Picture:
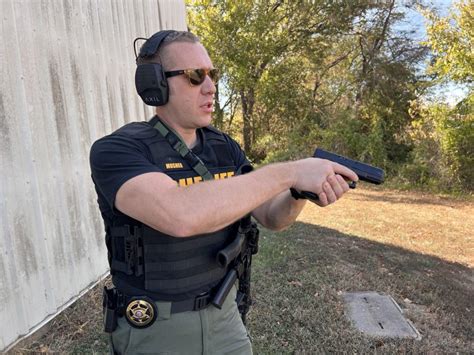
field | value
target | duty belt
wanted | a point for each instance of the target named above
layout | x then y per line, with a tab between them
193	304
141	311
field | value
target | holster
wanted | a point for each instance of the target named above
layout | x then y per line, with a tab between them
109	303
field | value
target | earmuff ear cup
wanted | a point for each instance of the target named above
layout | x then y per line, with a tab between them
151	84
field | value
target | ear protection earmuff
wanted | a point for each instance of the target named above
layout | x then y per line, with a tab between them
150	79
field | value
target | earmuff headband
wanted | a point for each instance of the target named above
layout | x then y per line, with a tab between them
150	47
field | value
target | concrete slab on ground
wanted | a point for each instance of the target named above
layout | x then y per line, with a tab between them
378	315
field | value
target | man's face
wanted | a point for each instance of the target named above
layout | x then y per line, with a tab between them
189	107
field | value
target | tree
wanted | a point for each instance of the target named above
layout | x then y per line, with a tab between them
307	73
252	41
451	128
451	40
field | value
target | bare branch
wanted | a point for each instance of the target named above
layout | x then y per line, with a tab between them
379	41
317	82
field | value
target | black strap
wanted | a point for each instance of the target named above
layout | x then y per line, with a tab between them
183	284
196	304
150	47
168	266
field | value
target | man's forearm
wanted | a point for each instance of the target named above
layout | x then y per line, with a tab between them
212	205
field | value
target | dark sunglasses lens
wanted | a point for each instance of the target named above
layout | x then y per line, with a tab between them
214	75
197	76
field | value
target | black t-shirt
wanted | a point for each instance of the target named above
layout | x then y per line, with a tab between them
138	148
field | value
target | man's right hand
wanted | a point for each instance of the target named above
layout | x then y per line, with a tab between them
322	177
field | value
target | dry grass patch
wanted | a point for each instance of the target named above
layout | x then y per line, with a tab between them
77	330
424	223
413	246
416	247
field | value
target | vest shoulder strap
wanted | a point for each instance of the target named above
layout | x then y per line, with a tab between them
182	149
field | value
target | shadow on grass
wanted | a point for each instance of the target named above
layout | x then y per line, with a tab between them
298	279
299	276
416	199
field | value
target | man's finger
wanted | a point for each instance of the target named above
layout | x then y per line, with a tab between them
336	185
343	183
323	200
329	192
345	172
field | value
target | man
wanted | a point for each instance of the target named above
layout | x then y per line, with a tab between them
165	223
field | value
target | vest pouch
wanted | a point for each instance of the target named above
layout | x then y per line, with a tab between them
175	267
127	249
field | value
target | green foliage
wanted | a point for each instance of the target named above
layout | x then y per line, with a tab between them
443	156
274	55
302	74
452	41
456	133
443	136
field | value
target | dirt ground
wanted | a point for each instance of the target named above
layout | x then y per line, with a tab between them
416	247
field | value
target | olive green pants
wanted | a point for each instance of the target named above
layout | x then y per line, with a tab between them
208	331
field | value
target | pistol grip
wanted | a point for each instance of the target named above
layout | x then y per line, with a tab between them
311	195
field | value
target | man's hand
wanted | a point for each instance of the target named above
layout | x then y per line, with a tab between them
323	177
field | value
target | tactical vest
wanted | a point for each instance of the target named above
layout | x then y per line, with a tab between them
166	267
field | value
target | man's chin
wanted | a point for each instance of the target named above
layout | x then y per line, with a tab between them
205	120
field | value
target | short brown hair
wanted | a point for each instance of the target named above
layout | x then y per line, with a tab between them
177	36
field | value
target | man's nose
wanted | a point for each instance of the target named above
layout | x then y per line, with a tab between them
208	87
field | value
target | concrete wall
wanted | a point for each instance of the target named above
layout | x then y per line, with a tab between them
67	78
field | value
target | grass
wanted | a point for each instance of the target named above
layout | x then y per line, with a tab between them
416	247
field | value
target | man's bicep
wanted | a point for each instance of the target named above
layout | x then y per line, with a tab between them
114	160
146	198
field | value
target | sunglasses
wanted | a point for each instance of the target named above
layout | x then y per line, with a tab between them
196	76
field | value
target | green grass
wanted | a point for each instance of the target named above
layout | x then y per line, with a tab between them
414	246
299	306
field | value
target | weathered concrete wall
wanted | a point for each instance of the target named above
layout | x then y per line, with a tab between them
67	78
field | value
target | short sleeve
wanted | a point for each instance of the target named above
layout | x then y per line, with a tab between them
114	160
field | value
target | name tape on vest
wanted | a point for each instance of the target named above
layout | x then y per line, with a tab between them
173	166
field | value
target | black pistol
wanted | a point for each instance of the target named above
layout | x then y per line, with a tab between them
365	172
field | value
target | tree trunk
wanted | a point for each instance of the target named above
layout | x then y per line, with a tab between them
218	120
248	100
369	51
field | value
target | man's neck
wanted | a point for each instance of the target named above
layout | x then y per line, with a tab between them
188	135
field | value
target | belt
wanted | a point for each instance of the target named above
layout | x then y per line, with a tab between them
139	310
194	304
